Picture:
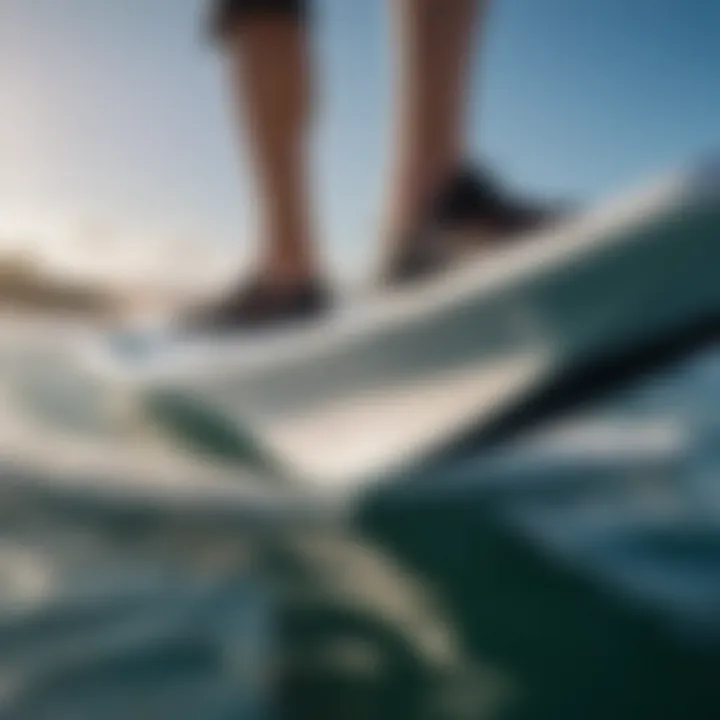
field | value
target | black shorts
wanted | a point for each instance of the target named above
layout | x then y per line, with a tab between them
227	13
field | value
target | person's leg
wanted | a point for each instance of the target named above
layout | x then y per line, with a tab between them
434	59
266	43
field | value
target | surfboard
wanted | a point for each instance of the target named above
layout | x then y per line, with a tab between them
383	383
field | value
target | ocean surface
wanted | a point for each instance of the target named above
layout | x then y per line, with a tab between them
571	572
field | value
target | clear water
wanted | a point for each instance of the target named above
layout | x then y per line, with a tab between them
574	573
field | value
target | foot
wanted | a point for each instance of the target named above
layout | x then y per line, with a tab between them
471	214
259	304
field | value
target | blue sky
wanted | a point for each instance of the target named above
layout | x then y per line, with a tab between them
115	131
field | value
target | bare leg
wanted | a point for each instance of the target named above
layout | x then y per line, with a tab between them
434	59
270	71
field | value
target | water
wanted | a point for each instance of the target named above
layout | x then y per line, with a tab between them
573	573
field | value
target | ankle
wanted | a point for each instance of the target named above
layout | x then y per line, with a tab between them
287	272
414	206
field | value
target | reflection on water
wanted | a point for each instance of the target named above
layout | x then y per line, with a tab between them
573	574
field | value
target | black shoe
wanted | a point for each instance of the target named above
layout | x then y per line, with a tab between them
472	213
258	305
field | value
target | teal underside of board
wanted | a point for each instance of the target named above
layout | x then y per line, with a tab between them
200	430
